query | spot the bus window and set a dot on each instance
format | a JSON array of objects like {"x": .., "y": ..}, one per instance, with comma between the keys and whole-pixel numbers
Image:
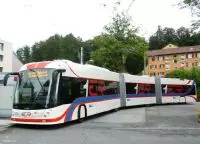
[
  {"x": 111, "y": 88},
  {"x": 93, "y": 84},
  {"x": 131, "y": 88},
  {"x": 176, "y": 89},
  {"x": 146, "y": 88},
  {"x": 101, "y": 87},
  {"x": 70, "y": 89}
]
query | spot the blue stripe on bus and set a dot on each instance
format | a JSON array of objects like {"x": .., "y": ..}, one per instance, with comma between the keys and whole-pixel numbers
[
  {"x": 86, "y": 100},
  {"x": 140, "y": 95},
  {"x": 107, "y": 97}
]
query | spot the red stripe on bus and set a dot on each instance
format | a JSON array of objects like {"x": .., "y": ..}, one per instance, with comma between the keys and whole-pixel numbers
[
  {"x": 42, "y": 64},
  {"x": 31, "y": 66},
  {"x": 52, "y": 119},
  {"x": 41, "y": 120}
]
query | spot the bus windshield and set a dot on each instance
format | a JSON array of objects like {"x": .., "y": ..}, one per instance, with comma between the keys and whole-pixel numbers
[{"x": 33, "y": 89}]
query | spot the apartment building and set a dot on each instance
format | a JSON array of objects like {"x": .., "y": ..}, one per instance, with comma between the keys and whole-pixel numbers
[
  {"x": 8, "y": 59},
  {"x": 171, "y": 57}
]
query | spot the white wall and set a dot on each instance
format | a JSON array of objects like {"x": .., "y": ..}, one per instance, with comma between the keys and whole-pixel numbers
[
  {"x": 7, "y": 56},
  {"x": 10, "y": 61},
  {"x": 16, "y": 63}
]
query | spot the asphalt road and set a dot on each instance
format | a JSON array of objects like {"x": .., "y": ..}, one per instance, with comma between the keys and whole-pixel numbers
[{"x": 148, "y": 125}]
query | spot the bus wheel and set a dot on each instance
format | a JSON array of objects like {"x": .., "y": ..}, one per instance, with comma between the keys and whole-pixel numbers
[{"x": 82, "y": 113}]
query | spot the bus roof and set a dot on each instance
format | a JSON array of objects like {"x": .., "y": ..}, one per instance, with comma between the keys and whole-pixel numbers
[{"x": 75, "y": 69}]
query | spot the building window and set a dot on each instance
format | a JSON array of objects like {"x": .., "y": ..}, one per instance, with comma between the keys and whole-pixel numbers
[
  {"x": 153, "y": 58},
  {"x": 1, "y": 57},
  {"x": 198, "y": 55},
  {"x": 167, "y": 66},
  {"x": 1, "y": 46},
  {"x": 189, "y": 56},
  {"x": 182, "y": 64},
  {"x": 153, "y": 66},
  {"x": 161, "y": 74},
  {"x": 167, "y": 58},
  {"x": 175, "y": 61},
  {"x": 175, "y": 56},
  {"x": 189, "y": 64},
  {"x": 183, "y": 56},
  {"x": 194, "y": 55},
  {"x": 1, "y": 69},
  {"x": 160, "y": 58},
  {"x": 162, "y": 66}
]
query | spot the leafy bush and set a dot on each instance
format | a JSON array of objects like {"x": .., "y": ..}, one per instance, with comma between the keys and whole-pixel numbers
[{"x": 191, "y": 74}]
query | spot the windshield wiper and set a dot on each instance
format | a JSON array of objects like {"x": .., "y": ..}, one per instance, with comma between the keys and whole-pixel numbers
[
  {"x": 42, "y": 87},
  {"x": 38, "y": 79}
]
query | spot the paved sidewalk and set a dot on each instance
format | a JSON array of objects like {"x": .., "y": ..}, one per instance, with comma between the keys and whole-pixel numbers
[{"x": 4, "y": 123}]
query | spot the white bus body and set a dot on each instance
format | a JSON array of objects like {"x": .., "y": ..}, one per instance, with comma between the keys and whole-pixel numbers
[{"x": 59, "y": 91}]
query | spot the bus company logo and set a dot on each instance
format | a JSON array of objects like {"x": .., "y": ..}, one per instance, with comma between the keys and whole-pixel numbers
[{"x": 26, "y": 114}]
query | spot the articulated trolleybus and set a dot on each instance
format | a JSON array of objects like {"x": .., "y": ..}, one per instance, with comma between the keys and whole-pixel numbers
[{"x": 59, "y": 91}]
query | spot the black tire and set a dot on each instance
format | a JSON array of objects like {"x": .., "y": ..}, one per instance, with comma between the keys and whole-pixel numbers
[
  {"x": 81, "y": 119},
  {"x": 116, "y": 109}
]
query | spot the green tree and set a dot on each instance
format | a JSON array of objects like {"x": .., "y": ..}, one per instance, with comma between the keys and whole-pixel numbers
[
  {"x": 180, "y": 37},
  {"x": 36, "y": 54},
  {"x": 56, "y": 47},
  {"x": 194, "y": 5},
  {"x": 70, "y": 48},
  {"x": 109, "y": 54},
  {"x": 184, "y": 36},
  {"x": 117, "y": 47},
  {"x": 162, "y": 37},
  {"x": 24, "y": 54},
  {"x": 50, "y": 48},
  {"x": 191, "y": 74}
]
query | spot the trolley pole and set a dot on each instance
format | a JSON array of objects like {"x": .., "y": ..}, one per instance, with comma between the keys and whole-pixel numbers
[
  {"x": 81, "y": 55},
  {"x": 144, "y": 64}
]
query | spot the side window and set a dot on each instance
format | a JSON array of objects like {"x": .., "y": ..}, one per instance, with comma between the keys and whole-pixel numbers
[
  {"x": 101, "y": 87},
  {"x": 131, "y": 88},
  {"x": 146, "y": 88},
  {"x": 176, "y": 89},
  {"x": 111, "y": 88},
  {"x": 70, "y": 89},
  {"x": 93, "y": 84},
  {"x": 53, "y": 100}
]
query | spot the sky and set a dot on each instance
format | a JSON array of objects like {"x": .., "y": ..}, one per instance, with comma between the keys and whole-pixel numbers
[{"x": 24, "y": 22}]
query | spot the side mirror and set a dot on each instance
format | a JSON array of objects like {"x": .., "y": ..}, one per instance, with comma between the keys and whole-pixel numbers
[
  {"x": 61, "y": 70},
  {"x": 5, "y": 80}
]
